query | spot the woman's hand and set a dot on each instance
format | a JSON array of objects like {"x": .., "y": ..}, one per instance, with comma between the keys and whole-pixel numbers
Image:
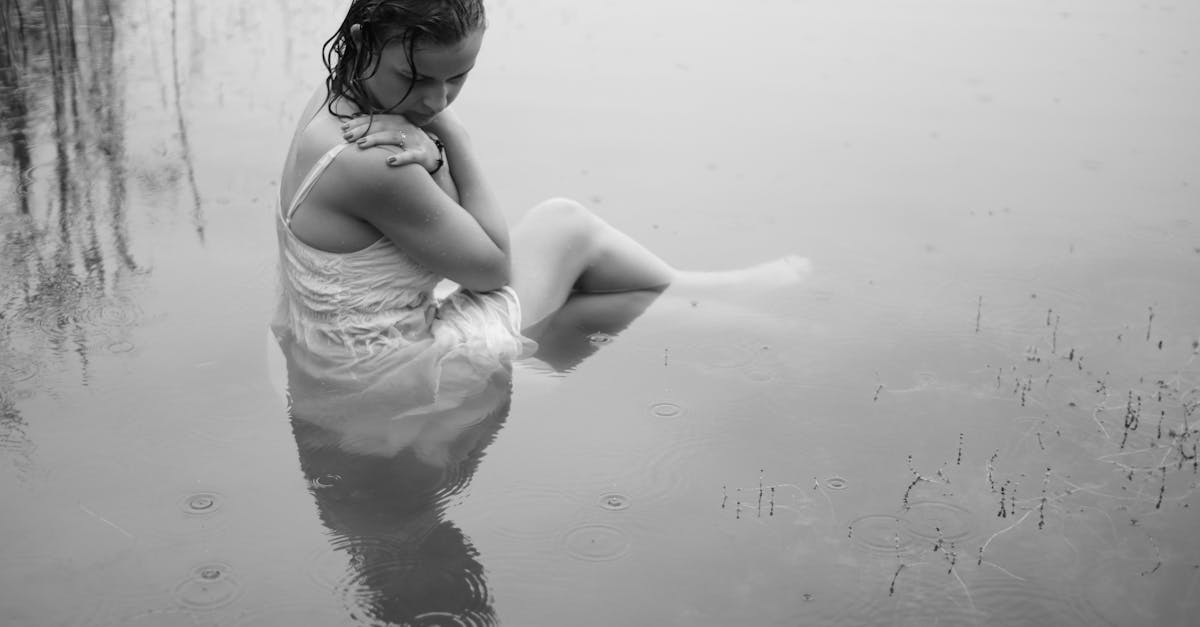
[{"x": 416, "y": 146}]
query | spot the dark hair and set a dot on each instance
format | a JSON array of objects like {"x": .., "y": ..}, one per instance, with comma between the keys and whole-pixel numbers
[{"x": 438, "y": 22}]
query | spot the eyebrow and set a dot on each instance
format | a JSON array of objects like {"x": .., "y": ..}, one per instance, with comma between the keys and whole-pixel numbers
[{"x": 418, "y": 75}]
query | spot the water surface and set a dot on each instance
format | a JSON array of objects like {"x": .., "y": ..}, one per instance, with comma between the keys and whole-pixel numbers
[{"x": 981, "y": 410}]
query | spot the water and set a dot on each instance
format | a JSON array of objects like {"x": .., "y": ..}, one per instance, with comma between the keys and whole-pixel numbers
[{"x": 981, "y": 411}]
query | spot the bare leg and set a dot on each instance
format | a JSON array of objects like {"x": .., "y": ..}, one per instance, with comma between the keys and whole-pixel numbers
[{"x": 560, "y": 248}]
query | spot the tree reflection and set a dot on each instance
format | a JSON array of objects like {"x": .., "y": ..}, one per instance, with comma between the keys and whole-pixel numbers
[{"x": 65, "y": 249}]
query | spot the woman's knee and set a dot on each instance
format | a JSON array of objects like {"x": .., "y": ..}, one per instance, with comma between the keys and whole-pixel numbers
[
  {"x": 566, "y": 218},
  {"x": 561, "y": 210}
]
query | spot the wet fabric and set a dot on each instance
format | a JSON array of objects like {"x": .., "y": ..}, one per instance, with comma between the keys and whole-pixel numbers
[{"x": 363, "y": 330}]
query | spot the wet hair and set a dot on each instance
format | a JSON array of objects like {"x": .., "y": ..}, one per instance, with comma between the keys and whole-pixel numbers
[{"x": 411, "y": 22}]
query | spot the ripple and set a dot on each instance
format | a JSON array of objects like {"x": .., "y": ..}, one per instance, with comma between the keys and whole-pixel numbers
[
  {"x": 447, "y": 619},
  {"x": 601, "y": 338},
  {"x": 297, "y": 614},
  {"x": 596, "y": 542},
  {"x": 158, "y": 618},
  {"x": 761, "y": 374},
  {"x": 881, "y": 533},
  {"x": 208, "y": 587},
  {"x": 921, "y": 593},
  {"x": 54, "y": 323},
  {"x": 1035, "y": 601},
  {"x": 666, "y": 409},
  {"x": 202, "y": 503},
  {"x": 23, "y": 394},
  {"x": 662, "y": 471},
  {"x": 115, "y": 312},
  {"x": 532, "y": 513},
  {"x": 18, "y": 367},
  {"x": 328, "y": 567},
  {"x": 934, "y": 520},
  {"x": 175, "y": 516},
  {"x": 410, "y": 580},
  {"x": 614, "y": 502},
  {"x": 120, "y": 347},
  {"x": 835, "y": 483},
  {"x": 324, "y": 481}
]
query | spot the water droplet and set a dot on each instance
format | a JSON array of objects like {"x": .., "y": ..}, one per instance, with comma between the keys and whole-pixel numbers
[
  {"x": 666, "y": 410},
  {"x": 118, "y": 312},
  {"x": 615, "y": 502},
  {"x": 600, "y": 338},
  {"x": 120, "y": 347},
  {"x": 835, "y": 483},
  {"x": 596, "y": 542},
  {"x": 55, "y": 322},
  {"x": 325, "y": 481},
  {"x": 201, "y": 503},
  {"x": 208, "y": 587}
]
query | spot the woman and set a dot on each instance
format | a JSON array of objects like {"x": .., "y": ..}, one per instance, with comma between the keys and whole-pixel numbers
[
  {"x": 365, "y": 239},
  {"x": 393, "y": 392}
]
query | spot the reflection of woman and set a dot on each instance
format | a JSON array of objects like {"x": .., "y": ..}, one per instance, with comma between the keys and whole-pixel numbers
[
  {"x": 390, "y": 384},
  {"x": 381, "y": 484}
]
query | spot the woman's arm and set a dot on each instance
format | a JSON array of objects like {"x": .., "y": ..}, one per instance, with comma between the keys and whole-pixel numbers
[
  {"x": 409, "y": 208},
  {"x": 474, "y": 194},
  {"x": 468, "y": 186}
]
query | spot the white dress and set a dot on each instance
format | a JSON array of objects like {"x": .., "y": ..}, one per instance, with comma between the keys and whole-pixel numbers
[{"x": 365, "y": 338}]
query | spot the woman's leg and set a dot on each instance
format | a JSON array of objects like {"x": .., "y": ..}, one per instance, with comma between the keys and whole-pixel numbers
[{"x": 560, "y": 247}]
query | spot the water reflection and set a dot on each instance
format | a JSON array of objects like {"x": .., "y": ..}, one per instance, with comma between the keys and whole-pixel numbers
[
  {"x": 66, "y": 245},
  {"x": 383, "y": 470},
  {"x": 381, "y": 483}
]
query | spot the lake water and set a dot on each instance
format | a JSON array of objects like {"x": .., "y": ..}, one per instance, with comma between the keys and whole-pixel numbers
[{"x": 981, "y": 409}]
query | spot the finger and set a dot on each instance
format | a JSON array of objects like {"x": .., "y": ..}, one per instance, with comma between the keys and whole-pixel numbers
[
  {"x": 383, "y": 138},
  {"x": 401, "y": 158},
  {"x": 358, "y": 122},
  {"x": 355, "y": 128}
]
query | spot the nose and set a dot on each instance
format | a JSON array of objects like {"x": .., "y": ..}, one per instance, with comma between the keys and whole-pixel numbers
[{"x": 435, "y": 97}]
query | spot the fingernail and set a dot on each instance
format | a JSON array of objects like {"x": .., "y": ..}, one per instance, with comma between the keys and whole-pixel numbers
[
  {"x": 347, "y": 136},
  {"x": 362, "y": 141},
  {"x": 345, "y": 127},
  {"x": 391, "y": 160}
]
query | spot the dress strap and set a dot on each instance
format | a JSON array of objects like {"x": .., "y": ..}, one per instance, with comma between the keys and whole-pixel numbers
[{"x": 315, "y": 173}]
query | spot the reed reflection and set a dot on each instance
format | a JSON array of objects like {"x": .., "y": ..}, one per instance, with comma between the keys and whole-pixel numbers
[{"x": 66, "y": 253}]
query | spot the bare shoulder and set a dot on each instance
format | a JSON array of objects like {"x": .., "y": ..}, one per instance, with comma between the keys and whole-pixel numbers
[{"x": 361, "y": 184}]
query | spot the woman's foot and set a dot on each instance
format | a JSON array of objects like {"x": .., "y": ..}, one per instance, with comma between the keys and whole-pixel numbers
[{"x": 784, "y": 272}]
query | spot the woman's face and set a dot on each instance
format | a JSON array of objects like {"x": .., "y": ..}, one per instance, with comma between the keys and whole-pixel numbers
[{"x": 441, "y": 72}]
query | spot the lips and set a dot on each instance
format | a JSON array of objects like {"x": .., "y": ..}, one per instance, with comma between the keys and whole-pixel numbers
[{"x": 421, "y": 119}]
